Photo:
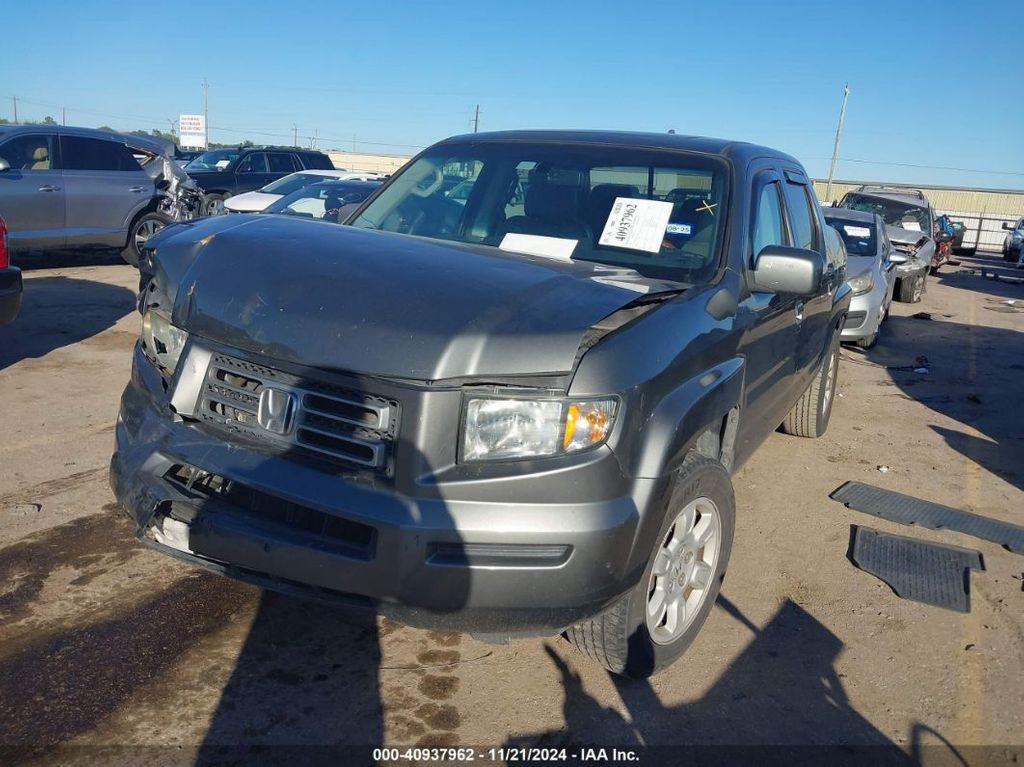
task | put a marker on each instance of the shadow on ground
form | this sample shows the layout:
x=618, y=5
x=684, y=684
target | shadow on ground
x=974, y=377
x=61, y=311
x=968, y=276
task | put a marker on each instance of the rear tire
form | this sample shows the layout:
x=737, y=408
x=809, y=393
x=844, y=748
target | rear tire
x=213, y=204
x=623, y=638
x=810, y=415
x=142, y=228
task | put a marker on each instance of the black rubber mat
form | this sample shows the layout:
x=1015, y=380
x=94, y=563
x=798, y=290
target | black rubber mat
x=908, y=510
x=932, y=573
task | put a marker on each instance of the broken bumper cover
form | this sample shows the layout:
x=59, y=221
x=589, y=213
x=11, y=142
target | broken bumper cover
x=500, y=568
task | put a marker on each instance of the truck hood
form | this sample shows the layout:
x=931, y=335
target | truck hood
x=334, y=297
x=904, y=236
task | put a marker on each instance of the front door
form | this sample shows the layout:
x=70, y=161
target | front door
x=32, y=192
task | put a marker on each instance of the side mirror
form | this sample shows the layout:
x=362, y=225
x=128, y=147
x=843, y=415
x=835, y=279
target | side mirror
x=897, y=258
x=781, y=269
x=4, y=165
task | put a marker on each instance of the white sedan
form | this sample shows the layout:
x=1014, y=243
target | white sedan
x=254, y=202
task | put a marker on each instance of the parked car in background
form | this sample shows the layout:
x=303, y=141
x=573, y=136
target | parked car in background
x=901, y=209
x=1014, y=240
x=10, y=280
x=870, y=272
x=223, y=173
x=254, y=202
x=504, y=424
x=184, y=156
x=324, y=200
x=63, y=187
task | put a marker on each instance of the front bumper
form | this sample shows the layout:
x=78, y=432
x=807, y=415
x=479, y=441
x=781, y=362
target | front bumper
x=11, y=289
x=866, y=312
x=530, y=555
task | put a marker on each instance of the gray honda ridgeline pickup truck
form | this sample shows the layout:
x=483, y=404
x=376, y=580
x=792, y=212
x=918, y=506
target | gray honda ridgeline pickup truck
x=514, y=413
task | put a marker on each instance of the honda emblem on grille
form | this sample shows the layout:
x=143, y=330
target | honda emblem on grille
x=276, y=410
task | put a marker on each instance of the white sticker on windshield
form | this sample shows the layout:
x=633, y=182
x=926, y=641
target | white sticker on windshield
x=857, y=231
x=636, y=224
x=537, y=245
x=910, y=226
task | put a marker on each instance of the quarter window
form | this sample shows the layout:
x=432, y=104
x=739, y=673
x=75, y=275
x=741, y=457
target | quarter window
x=768, y=229
x=254, y=163
x=29, y=153
x=800, y=215
x=80, y=153
x=281, y=163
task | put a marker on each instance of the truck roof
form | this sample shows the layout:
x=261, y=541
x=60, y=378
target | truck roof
x=738, y=151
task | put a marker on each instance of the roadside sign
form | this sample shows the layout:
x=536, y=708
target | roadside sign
x=192, y=131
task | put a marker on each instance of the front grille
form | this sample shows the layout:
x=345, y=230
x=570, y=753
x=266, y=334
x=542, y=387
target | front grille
x=316, y=419
x=352, y=538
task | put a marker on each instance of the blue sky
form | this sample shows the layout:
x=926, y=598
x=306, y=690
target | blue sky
x=394, y=76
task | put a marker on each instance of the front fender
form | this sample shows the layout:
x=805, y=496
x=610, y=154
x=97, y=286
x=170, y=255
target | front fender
x=671, y=430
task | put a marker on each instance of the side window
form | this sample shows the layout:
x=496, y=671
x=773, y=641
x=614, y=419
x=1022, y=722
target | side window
x=768, y=228
x=800, y=216
x=281, y=163
x=29, y=153
x=253, y=163
x=835, y=249
x=80, y=153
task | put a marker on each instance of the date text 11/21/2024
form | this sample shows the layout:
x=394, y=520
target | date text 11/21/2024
x=505, y=754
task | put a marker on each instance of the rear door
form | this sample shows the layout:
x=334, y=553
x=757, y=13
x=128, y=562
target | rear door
x=807, y=225
x=106, y=188
x=771, y=333
x=32, y=191
x=253, y=172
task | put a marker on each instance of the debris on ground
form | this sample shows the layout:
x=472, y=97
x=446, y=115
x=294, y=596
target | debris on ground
x=884, y=469
x=921, y=316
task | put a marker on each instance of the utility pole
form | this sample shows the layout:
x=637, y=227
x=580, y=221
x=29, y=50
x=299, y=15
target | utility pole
x=206, y=114
x=63, y=116
x=15, y=100
x=835, y=147
x=476, y=119
x=295, y=135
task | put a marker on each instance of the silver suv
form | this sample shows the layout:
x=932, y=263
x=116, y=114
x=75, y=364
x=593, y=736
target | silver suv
x=66, y=187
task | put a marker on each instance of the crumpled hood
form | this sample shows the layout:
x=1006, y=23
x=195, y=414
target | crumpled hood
x=904, y=236
x=335, y=297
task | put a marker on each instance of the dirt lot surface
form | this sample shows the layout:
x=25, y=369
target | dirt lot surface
x=103, y=642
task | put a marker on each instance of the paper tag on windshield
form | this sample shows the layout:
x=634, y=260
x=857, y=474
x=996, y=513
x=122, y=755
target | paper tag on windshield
x=636, y=224
x=857, y=231
x=910, y=226
x=537, y=245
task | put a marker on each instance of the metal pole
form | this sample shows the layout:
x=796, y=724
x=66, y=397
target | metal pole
x=63, y=116
x=476, y=119
x=835, y=147
x=15, y=100
x=295, y=135
x=206, y=114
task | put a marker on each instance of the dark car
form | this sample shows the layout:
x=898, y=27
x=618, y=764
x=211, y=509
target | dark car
x=1013, y=243
x=222, y=173
x=10, y=280
x=324, y=200
x=483, y=416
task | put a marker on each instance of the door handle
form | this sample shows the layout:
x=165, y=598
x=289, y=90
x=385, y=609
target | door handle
x=136, y=189
x=798, y=310
x=49, y=188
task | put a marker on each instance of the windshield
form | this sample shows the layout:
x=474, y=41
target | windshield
x=858, y=236
x=217, y=158
x=322, y=201
x=893, y=213
x=655, y=211
x=291, y=183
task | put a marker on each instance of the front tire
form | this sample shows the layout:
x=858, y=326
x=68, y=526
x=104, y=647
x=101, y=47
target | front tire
x=912, y=288
x=654, y=623
x=213, y=204
x=142, y=228
x=812, y=412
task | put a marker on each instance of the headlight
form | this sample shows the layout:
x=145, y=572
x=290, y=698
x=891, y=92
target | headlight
x=522, y=428
x=862, y=283
x=161, y=341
